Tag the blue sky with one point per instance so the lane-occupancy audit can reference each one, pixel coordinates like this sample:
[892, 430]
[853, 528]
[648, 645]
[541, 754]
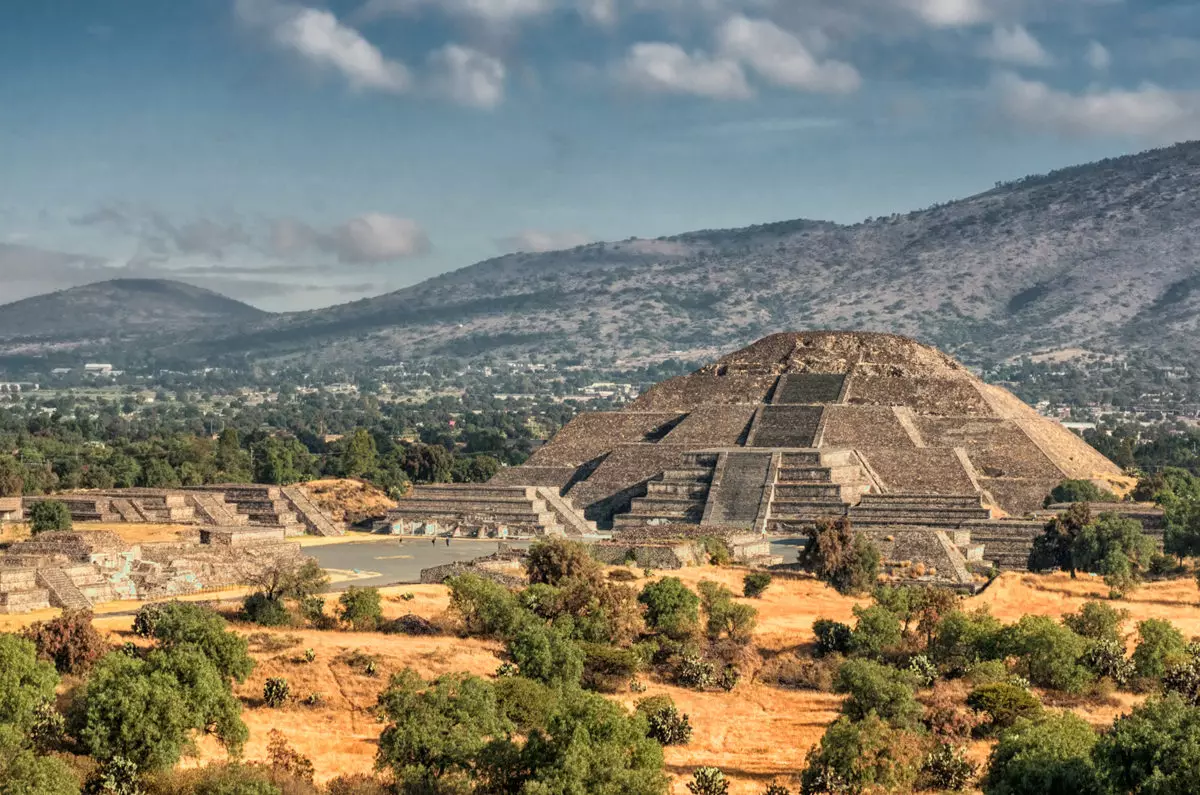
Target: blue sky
[298, 154]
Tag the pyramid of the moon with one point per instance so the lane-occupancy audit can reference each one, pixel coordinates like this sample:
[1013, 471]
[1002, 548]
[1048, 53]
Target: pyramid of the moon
[800, 426]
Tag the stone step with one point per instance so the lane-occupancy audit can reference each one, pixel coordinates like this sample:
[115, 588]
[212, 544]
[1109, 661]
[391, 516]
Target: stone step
[475, 492]
[701, 460]
[474, 505]
[806, 459]
[317, 522]
[866, 510]
[924, 500]
[63, 591]
[687, 476]
[694, 490]
[627, 520]
[450, 512]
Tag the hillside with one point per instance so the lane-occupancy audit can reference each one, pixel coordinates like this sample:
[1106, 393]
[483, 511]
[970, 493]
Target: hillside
[119, 309]
[1097, 257]
[1101, 256]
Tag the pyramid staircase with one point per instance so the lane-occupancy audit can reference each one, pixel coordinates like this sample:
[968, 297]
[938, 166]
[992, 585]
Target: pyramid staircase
[677, 496]
[570, 517]
[64, 592]
[481, 504]
[927, 510]
[811, 485]
[128, 510]
[312, 517]
[211, 508]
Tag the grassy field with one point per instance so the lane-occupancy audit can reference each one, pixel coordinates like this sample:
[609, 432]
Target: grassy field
[755, 734]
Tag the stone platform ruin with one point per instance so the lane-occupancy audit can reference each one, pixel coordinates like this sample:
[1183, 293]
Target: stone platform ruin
[801, 427]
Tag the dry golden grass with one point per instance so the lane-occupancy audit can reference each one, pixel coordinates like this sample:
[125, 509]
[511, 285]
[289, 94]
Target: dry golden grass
[755, 734]
[349, 500]
[141, 533]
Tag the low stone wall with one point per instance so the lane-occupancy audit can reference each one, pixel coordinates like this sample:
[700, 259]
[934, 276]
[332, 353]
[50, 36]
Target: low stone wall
[647, 555]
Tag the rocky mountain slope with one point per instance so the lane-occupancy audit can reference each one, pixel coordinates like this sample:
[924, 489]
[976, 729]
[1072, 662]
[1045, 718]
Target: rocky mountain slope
[1102, 256]
[121, 309]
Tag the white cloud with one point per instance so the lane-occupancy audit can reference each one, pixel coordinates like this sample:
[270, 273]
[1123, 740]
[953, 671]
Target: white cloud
[669, 69]
[376, 237]
[318, 38]
[1016, 45]
[1098, 56]
[782, 59]
[492, 11]
[950, 13]
[535, 241]
[468, 77]
[602, 12]
[1149, 113]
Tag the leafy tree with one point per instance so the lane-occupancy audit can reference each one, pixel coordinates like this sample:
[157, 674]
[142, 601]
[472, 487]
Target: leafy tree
[258, 608]
[12, 477]
[1048, 653]
[1053, 548]
[961, 639]
[48, 516]
[836, 554]
[474, 469]
[553, 560]
[1079, 491]
[671, 607]
[833, 637]
[947, 768]
[546, 654]
[876, 632]
[1115, 547]
[1160, 645]
[879, 689]
[232, 462]
[184, 625]
[1050, 754]
[428, 464]
[69, 641]
[361, 608]
[23, 771]
[359, 455]
[1004, 703]
[863, 756]
[1097, 621]
[724, 616]
[1154, 750]
[159, 474]
[25, 683]
[755, 584]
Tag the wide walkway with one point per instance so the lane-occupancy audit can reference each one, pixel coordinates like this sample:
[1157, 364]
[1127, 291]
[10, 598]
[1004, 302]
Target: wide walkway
[391, 560]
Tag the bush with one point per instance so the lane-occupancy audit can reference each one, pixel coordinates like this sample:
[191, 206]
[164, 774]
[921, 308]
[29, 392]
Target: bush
[69, 641]
[833, 637]
[276, 691]
[409, 624]
[607, 669]
[554, 560]
[1097, 621]
[695, 672]
[755, 584]
[725, 617]
[1004, 703]
[547, 655]
[671, 608]
[1183, 679]
[1152, 750]
[802, 672]
[48, 516]
[848, 562]
[258, 608]
[1115, 547]
[622, 575]
[923, 671]
[708, 781]
[1049, 755]
[716, 550]
[730, 676]
[486, 607]
[961, 640]
[863, 756]
[361, 608]
[189, 626]
[146, 619]
[1048, 653]
[947, 768]
[1106, 659]
[667, 725]
[1160, 646]
[874, 688]
[876, 632]
[948, 719]
[356, 784]
[116, 776]
[1079, 491]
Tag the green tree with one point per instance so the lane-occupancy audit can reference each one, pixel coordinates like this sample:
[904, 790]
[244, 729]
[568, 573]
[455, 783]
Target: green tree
[12, 477]
[671, 607]
[232, 462]
[1154, 750]
[868, 755]
[1115, 547]
[723, 616]
[25, 683]
[48, 516]
[1053, 548]
[157, 473]
[486, 607]
[361, 608]
[184, 625]
[553, 560]
[1004, 703]
[876, 632]
[880, 689]
[428, 464]
[546, 654]
[962, 639]
[1048, 653]
[1097, 621]
[24, 771]
[1052, 754]
[846, 560]
[1079, 491]
[755, 584]
[359, 455]
[1160, 645]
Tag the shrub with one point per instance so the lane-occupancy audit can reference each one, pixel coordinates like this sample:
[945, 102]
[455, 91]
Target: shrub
[1183, 679]
[287, 760]
[361, 608]
[833, 637]
[276, 691]
[708, 781]
[987, 671]
[960, 640]
[730, 676]
[695, 672]
[923, 671]
[871, 687]
[49, 515]
[716, 550]
[755, 584]
[1115, 547]
[876, 632]
[622, 575]
[948, 719]
[606, 668]
[185, 625]
[776, 789]
[1153, 749]
[1004, 703]
[1079, 491]
[409, 625]
[69, 641]
[947, 768]
[725, 617]
[1106, 659]
[1051, 754]
[1160, 645]
[555, 559]
[1097, 621]
[258, 608]
[848, 562]
[356, 784]
[861, 756]
[547, 655]
[486, 607]
[671, 608]
[309, 656]
[1048, 653]
[116, 776]
[667, 724]
[802, 672]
